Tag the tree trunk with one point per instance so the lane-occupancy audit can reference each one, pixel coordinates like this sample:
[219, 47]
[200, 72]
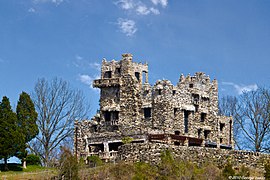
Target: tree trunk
[24, 163]
[6, 165]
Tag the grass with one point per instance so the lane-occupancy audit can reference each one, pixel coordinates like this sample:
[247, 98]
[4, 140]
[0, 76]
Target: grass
[32, 172]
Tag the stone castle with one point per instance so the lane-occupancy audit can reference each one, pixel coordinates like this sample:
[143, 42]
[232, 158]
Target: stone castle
[185, 115]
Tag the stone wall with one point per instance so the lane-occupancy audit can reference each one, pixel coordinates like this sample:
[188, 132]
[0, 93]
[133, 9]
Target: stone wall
[150, 152]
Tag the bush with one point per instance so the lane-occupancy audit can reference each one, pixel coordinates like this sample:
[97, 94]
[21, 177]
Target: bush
[127, 140]
[94, 161]
[32, 159]
[267, 170]
[228, 170]
[244, 171]
[69, 166]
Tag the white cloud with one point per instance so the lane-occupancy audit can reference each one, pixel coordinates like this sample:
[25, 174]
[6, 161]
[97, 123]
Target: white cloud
[242, 88]
[154, 11]
[80, 62]
[57, 2]
[127, 26]
[137, 7]
[125, 4]
[31, 10]
[163, 3]
[143, 10]
[88, 80]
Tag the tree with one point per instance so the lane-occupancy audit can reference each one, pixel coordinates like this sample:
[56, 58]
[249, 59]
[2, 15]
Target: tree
[251, 114]
[26, 119]
[11, 136]
[255, 119]
[58, 106]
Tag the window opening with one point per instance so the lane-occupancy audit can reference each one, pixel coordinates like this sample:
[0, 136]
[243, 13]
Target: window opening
[147, 112]
[186, 113]
[107, 116]
[174, 111]
[222, 125]
[203, 117]
[199, 133]
[196, 108]
[108, 74]
[137, 74]
[206, 134]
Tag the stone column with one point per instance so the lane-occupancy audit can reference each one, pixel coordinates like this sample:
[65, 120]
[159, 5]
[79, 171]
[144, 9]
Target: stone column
[106, 150]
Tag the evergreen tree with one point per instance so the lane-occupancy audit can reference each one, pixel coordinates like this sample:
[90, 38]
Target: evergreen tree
[26, 119]
[10, 135]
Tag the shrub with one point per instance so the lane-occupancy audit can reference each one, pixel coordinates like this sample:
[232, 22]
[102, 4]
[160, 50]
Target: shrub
[94, 161]
[32, 159]
[267, 170]
[228, 170]
[69, 166]
[244, 171]
[127, 140]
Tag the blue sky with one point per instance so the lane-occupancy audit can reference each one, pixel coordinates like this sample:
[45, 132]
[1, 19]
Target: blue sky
[227, 39]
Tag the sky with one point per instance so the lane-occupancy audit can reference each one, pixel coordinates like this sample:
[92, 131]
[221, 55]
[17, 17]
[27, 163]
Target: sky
[227, 39]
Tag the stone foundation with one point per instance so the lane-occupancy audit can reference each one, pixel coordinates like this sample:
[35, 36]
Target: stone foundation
[150, 153]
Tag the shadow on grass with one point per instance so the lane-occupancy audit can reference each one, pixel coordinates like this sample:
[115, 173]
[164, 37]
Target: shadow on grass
[11, 167]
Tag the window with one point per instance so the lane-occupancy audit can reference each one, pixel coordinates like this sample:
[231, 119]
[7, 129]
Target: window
[108, 74]
[137, 74]
[190, 85]
[199, 133]
[206, 134]
[196, 108]
[159, 91]
[147, 113]
[118, 71]
[221, 127]
[173, 92]
[221, 140]
[196, 98]
[177, 132]
[174, 111]
[107, 116]
[186, 113]
[203, 117]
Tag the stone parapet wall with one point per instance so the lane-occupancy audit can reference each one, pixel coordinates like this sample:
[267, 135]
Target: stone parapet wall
[150, 152]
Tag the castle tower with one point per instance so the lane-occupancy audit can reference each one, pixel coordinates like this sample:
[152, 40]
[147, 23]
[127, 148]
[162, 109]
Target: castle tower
[120, 96]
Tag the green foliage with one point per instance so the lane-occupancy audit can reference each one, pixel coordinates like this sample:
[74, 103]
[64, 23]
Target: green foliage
[122, 171]
[94, 161]
[11, 136]
[144, 171]
[32, 159]
[27, 116]
[127, 140]
[267, 170]
[69, 166]
[228, 170]
[244, 171]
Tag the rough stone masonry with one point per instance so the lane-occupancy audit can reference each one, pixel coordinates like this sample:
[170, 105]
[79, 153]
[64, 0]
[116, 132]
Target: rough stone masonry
[182, 115]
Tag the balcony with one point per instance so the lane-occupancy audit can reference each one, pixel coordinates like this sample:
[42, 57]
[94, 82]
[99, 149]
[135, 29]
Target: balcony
[107, 82]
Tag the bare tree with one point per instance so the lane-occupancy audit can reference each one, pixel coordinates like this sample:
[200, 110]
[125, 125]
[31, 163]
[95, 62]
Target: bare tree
[58, 106]
[255, 119]
[251, 113]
